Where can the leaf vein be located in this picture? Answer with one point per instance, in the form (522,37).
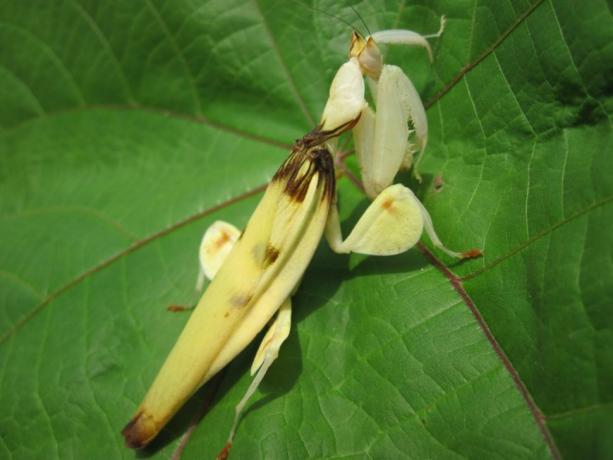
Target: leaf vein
(457,285)
(471,65)
(89,20)
(118,256)
(290,80)
(179,54)
(538,236)
(157,111)
(52,56)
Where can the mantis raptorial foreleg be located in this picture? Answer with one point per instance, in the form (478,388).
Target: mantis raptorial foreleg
(398,88)
(408,37)
(382,139)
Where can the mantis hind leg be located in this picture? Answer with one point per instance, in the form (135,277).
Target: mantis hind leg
(265,356)
(392,224)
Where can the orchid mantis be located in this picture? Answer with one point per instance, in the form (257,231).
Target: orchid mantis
(383,141)
(254,274)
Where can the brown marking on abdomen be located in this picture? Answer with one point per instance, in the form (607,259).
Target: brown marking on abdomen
(388,204)
(240,300)
(270,255)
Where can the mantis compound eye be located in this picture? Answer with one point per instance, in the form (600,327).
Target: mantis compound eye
(371,60)
(368,55)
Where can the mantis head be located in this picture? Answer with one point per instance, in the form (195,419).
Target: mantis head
(366,51)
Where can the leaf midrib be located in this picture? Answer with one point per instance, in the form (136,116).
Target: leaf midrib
(114,258)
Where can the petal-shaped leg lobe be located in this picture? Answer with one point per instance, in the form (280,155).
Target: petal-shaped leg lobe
(392,224)
(216,244)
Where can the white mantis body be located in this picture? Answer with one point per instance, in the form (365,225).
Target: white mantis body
(383,140)
(253,275)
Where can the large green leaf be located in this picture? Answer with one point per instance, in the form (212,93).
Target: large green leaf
(128,127)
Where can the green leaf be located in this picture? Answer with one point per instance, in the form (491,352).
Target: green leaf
(126,128)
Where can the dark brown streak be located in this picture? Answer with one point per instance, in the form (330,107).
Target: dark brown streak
(317,137)
(271,254)
(490,49)
(297,180)
(456,282)
(325,166)
(133,247)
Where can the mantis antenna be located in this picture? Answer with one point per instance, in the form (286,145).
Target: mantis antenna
(361,19)
(338,18)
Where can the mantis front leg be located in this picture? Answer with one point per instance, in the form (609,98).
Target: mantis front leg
(386,140)
(382,138)
(395,220)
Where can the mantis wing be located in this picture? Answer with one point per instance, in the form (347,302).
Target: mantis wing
(217,243)
(258,275)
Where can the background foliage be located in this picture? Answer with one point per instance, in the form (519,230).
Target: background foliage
(128,127)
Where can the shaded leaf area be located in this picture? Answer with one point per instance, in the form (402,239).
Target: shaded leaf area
(128,128)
